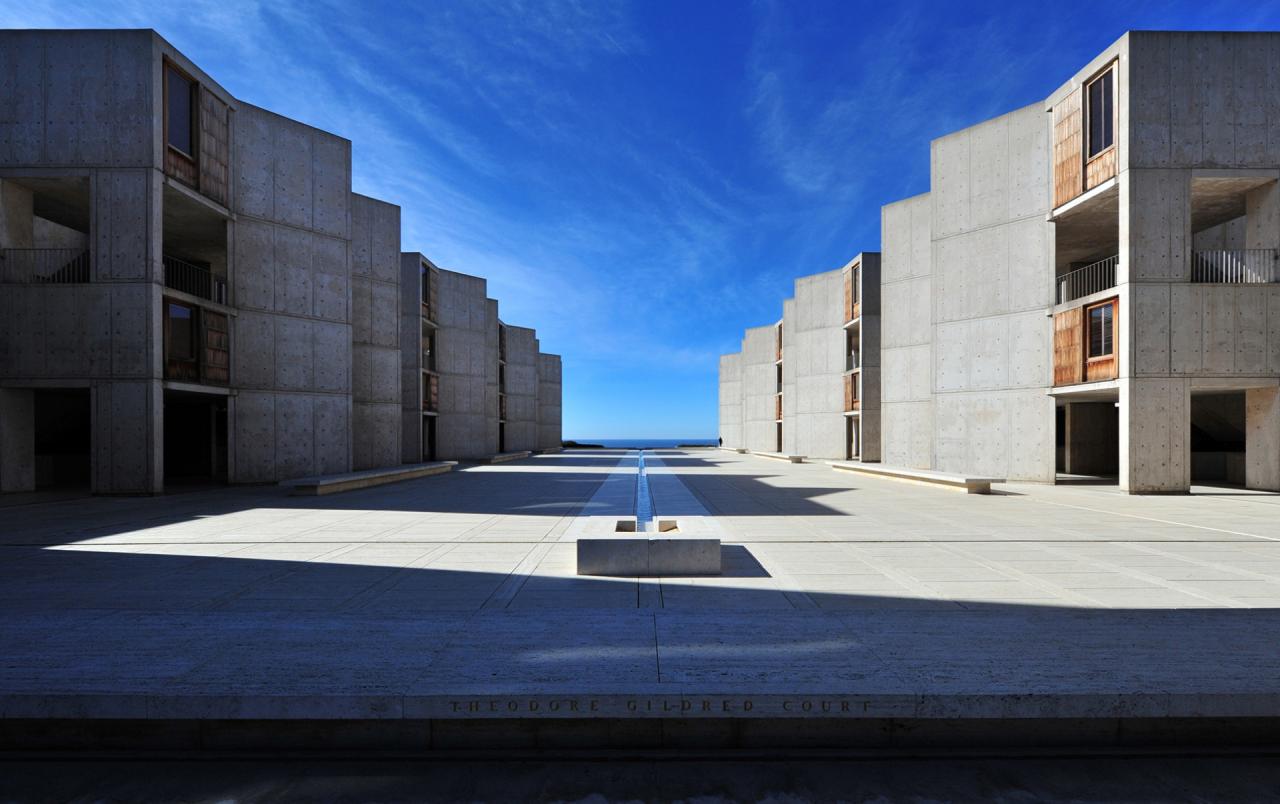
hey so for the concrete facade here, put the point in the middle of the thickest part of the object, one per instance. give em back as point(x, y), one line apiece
point(518, 413)
point(375, 323)
point(731, 401)
point(192, 292)
point(815, 374)
point(550, 413)
point(1035, 220)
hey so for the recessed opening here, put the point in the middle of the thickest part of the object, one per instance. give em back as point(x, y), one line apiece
point(668, 526)
point(625, 526)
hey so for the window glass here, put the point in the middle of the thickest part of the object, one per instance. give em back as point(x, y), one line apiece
point(182, 342)
point(1100, 331)
point(1101, 117)
point(179, 106)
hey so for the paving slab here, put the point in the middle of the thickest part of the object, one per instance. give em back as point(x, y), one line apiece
point(454, 599)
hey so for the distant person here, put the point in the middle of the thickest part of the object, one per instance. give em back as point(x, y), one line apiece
point(719, 442)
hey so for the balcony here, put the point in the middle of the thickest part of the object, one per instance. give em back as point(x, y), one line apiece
point(1086, 281)
point(1254, 266)
point(194, 280)
point(851, 363)
point(431, 394)
point(55, 266)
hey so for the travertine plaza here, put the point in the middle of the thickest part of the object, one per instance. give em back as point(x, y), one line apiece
point(1080, 308)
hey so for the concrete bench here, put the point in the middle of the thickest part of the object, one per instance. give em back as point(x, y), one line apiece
point(778, 456)
point(652, 556)
point(350, 481)
point(971, 485)
point(503, 457)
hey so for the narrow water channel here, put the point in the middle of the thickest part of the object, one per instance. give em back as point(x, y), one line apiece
point(644, 503)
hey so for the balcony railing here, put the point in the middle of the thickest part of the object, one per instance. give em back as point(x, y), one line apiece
point(1254, 266)
point(60, 266)
point(1088, 280)
point(850, 362)
point(194, 280)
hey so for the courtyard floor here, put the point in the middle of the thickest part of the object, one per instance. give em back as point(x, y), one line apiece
point(438, 597)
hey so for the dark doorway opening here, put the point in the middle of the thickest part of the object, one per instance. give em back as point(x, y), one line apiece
point(502, 437)
point(1218, 438)
point(428, 438)
point(195, 439)
point(63, 438)
point(1087, 440)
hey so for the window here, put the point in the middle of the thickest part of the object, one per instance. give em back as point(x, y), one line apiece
point(425, 278)
point(1102, 330)
point(182, 332)
point(179, 91)
point(1101, 113)
point(856, 284)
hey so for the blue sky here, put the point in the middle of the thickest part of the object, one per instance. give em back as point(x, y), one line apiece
point(640, 181)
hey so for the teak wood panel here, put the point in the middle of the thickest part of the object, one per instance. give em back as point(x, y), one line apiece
point(215, 367)
point(215, 146)
point(848, 295)
point(1068, 149)
point(777, 409)
point(1068, 347)
point(1100, 168)
point(850, 392)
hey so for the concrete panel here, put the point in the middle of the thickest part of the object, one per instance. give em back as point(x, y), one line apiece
point(294, 353)
point(1262, 439)
point(1155, 225)
point(126, 221)
point(1150, 326)
point(253, 354)
point(1186, 354)
point(128, 454)
point(331, 350)
point(253, 431)
point(331, 423)
point(1251, 331)
point(17, 440)
point(1155, 437)
point(730, 395)
point(295, 438)
point(254, 275)
point(550, 386)
point(293, 271)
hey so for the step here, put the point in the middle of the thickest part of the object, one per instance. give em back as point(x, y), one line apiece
point(350, 481)
point(778, 456)
point(503, 457)
point(971, 485)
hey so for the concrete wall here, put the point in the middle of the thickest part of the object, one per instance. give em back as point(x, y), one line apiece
point(992, 272)
point(492, 390)
point(906, 329)
point(64, 118)
point(463, 358)
point(375, 333)
point(411, 357)
point(814, 356)
point(292, 341)
point(550, 386)
point(731, 400)
point(521, 389)
point(759, 387)
point(788, 378)
point(869, 417)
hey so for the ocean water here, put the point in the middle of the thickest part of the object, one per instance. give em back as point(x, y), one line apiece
point(645, 443)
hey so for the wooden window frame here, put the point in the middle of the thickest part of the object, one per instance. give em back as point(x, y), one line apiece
point(1088, 330)
point(166, 66)
point(1087, 118)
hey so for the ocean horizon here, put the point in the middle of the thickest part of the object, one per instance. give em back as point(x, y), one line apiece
point(646, 443)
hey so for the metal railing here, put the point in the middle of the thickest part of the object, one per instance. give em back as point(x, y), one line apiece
point(60, 266)
point(850, 362)
point(1088, 280)
point(1251, 266)
point(187, 278)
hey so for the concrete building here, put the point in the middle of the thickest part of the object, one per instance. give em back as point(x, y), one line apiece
point(809, 384)
point(1089, 287)
point(191, 292)
point(472, 387)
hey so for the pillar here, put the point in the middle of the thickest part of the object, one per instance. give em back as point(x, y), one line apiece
point(128, 437)
point(17, 440)
point(1262, 438)
point(1155, 435)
